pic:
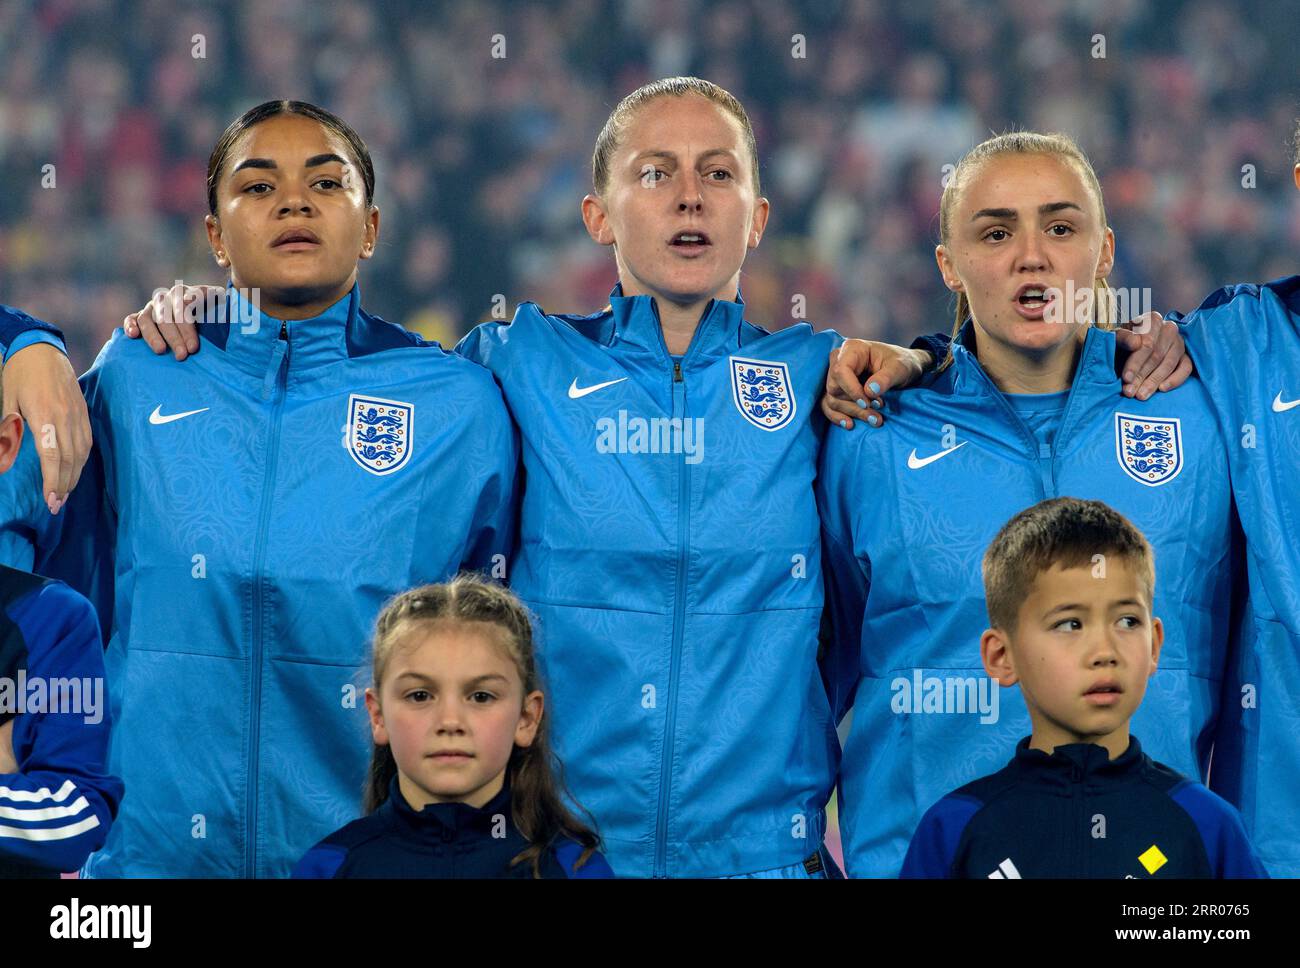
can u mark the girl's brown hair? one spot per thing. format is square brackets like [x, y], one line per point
[612, 134]
[534, 773]
[1060, 146]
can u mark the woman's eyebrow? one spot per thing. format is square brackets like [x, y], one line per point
[311, 162]
[672, 156]
[329, 156]
[1010, 213]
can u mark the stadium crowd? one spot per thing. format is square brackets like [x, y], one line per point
[481, 119]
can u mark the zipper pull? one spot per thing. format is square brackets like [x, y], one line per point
[284, 331]
[677, 371]
[278, 353]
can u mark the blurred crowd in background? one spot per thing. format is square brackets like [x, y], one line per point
[482, 161]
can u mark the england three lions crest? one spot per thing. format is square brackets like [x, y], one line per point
[1150, 449]
[762, 392]
[380, 432]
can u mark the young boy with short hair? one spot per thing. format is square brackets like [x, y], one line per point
[57, 800]
[1069, 586]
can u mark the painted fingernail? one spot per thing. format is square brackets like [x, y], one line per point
[876, 404]
[873, 420]
[844, 424]
[862, 404]
[873, 386]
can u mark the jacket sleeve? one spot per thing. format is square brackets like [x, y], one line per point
[78, 546]
[933, 849]
[936, 343]
[58, 807]
[322, 862]
[846, 577]
[475, 344]
[1229, 850]
[567, 853]
[19, 330]
[496, 516]
[26, 524]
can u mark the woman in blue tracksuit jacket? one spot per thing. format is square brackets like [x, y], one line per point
[669, 540]
[1245, 339]
[1025, 410]
[324, 460]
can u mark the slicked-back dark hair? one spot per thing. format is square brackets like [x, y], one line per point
[271, 109]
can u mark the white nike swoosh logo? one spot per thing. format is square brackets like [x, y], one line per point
[916, 463]
[157, 416]
[575, 392]
[1280, 407]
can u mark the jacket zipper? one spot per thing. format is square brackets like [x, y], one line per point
[679, 624]
[1044, 456]
[1080, 816]
[276, 390]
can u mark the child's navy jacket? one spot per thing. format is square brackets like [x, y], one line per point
[1078, 813]
[444, 840]
[61, 803]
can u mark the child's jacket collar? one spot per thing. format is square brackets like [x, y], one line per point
[449, 821]
[1078, 762]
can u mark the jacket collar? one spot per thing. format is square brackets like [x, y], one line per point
[1075, 762]
[1096, 369]
[448, 821]
[251, 338]
[636, 321]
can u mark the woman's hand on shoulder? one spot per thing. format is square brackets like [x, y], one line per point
[861, 372]
[167, 321]
[1157, 359]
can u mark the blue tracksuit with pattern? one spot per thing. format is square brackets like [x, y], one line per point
[1245, 341]
[243, 517]
[908, 513]
[669, 545]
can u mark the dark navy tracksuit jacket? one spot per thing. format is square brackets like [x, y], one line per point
[1078, 813]
[443, 840]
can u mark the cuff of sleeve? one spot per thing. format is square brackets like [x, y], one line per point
[30, 337]
[936, 346]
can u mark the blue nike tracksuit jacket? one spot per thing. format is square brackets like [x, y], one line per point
[1075, 812]
[908, 513]
[60, 804]
[669, 546]
[242, 519]
[1245, 342]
